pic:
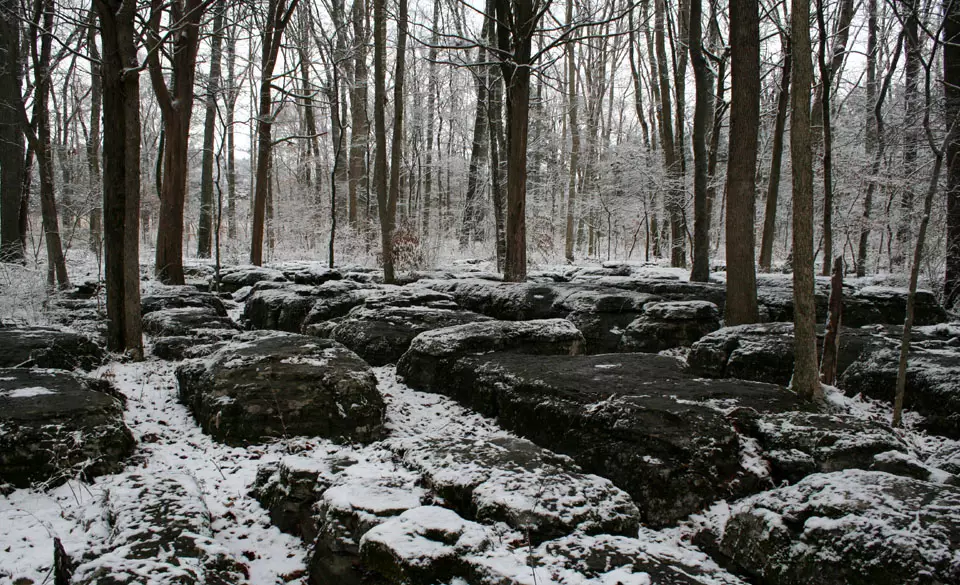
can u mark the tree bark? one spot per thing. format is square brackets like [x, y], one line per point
[741, 303]
[951, 79]
[360, 123]
[380, 132]
[278, 17]
[826, 81]
[388, 218]
[911, 132]
[471, 203]
[574, 162]
[233, 92]
[433, 92]
[93, 139]
[12, 167]
[776, 159]
[674, 197]
[701, 120]
[497, 147]
[121, 175]
[831, 339]
[804, 382]
[205, 225]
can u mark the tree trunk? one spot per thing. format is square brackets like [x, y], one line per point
[826, 81]
[205, 225]
[360, 123]
[380, 133]
[701, 119]
[911, 131]
[40, 139]
[776, 158]
[388, 217]
[674, 196]
[471, 203]
[121, 175]
[12, 168]
[951, 78]
[741, 304]
[278, 17]
[497, 149]
[831, 339]
[433, 91]
[804, 382]
[233, 92]
[574, 139]
[93, 140]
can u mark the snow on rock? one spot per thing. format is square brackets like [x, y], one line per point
[160, 297]
[159, 530]
[272, 385]
[184, 321]
[48, 347]
[506, 479]
[283, 307]
[55, 425]
[847, 528]
[381, 335]
[233, 278]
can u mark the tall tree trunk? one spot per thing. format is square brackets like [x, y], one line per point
[360, 123]
[671, 164]
[574, 138]
[389, 215]
[40, 138]
[516, 24]
[233, 93]
[205, 225]
[805, 381]
[776, 159]
[951, 79]
[278, 17]
[701, 119]
[380, 133]
[121, 175]
[632, 51]
[741, 303]
[12, 169]
[826, 81]
[93, 140]
[433, 91]
[471, 203]
[497, 146]
[911, 132]
[176, 107]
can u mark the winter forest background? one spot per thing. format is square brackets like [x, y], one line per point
[278, 129]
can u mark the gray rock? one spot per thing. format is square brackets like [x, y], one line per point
[184, 321]
[160, 298]
[671, 324]
[55, 425]
[281, 385]
[48, 347]
[847, 528]
[233, 278]
[433, 353]
[511, 480]
[159, 526]
[382, 335]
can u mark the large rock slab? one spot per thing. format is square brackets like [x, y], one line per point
[159, 531]
[160, 298]
[671, 324]
[48, 347]
[184, 321]
[55, 425]
[280, 385]
[282, 308]
[429, 545]
[636, 419]
[433, 353]
[847, 528]
[381, 335]
[233, 278]
[511, 480]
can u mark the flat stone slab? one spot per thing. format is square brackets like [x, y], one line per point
[511, 480]
[272, 385]
[184, 321]
[55, 425]
[160, 527]
[847, 528]
[670, 324]
[48, 347]
[159, 298]
[433, 353]
[233, 278]
[637, 419]
[381, 335]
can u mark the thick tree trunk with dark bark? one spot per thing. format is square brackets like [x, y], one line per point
[360, 123]
[380, 133]
[11, 135]
[951, 79]
[574, 140]
[471, 203]
[741, 304]
[831, 339]
[121, 175]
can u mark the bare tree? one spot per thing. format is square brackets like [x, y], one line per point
[205, 224]
[701, 120]
[11, 135]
